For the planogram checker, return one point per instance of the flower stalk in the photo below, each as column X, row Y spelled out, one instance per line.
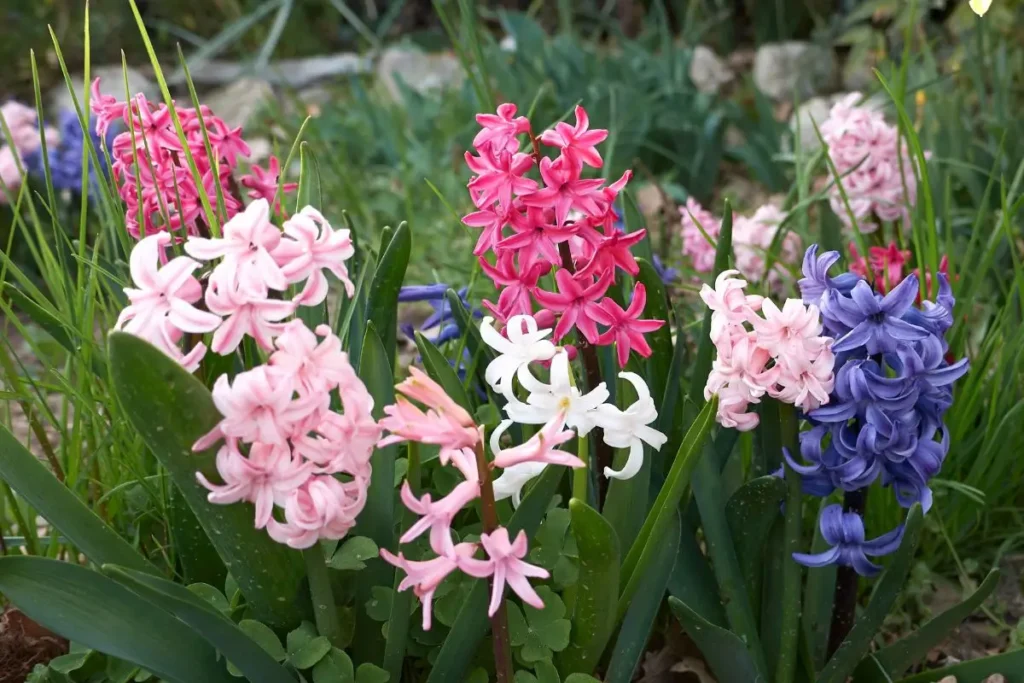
column 325, row 612
column 844, row 604
column 499, row 621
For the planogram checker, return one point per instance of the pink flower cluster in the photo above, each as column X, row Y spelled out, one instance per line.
column 245, row 293
column 442, row 422
column 283, row 445
column 565, row 222
column 875, row 169
column 152, row 171
column 23, row 125
column 887, row 265
column 781, row 353
column 751, row 238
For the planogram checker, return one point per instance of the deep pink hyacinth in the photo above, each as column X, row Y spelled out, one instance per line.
column 151, row 160
column 263, row 184
column 625, row 327
column 566, row 222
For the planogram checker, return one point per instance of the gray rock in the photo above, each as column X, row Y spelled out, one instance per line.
column 420, row 71
column 239, row 102
column 709, row 72
column 292, row 73
column 111, row 83
column 804, row 69
column 811, row 113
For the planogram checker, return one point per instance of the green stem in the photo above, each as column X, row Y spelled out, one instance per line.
column 790, row 626
column 398, row 623
column 499, row 622
column 325, row 610
column 580, row 474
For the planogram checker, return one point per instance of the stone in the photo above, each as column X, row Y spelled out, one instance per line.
column 709, row 72
column 111, row 83
column 291, row 73
column 782, row 70
column 420, row 71
column 811, row 113
column 238, row 103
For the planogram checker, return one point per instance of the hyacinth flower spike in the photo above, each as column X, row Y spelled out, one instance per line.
column 844, row 531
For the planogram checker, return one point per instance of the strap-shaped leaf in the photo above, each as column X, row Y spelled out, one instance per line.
column 88, row 608
column 643, row 609
column 850, row 652
column 199, row 560
column 308, row 194
column 440, row 371
column 750, row 513
column 171, row 409
column 894, row 659
column 725, row 653
column 471, row 626
column 596, row 588
column 382, row 304
column 661, row 339
column 61, row 508
column 223, row 634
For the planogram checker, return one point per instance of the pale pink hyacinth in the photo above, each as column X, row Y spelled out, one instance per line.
column 695, row 245
column 752, row 237
column 540, row 448
column 284, row 445
column 781, row 354
column 505, row 564
column 873, row 164
column 447, row 424
column 22, row 122
column 312, row 246
column 160, row 308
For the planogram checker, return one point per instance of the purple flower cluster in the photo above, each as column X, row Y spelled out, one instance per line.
column 442, row 318
column 65, row 158
column 884, row 420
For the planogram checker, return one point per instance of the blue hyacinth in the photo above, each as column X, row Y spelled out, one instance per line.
column 65, row 159
column 442, row 317
column 885, row 418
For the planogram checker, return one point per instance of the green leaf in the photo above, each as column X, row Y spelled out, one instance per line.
column 819, row 593
column 171, row 409
column 692, row 581
column 441, row 371
column 581, row 678
column 661, row 339
column 643, row 609
column 353, row 552
column 539, row 632
column 199, row 559
column 308, row 194
column 53, row 326
column 653, row 534
column 892, row 660
column 596, row 588
column 265, row 637
column 61, row 508
column 842, row 663
column 88, row 608
column 382, row 305
column 459, row 649
column 203, row 608
column 335, row 667
column 750, row 513
column 725, row 653
column 371, row 673
column 1010, row 665
column 307, row 656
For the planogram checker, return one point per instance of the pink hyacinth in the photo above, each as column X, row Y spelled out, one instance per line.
column 310, row 247
column 539, row 448
column 425, row 576
column 151, row 161
column 505, row 563
column 695, row 245
column 284, row 444
column 437, row 516
column 625, row 327
column 23, row 125
column 566, row 222
column 781, row 354
column 160, row 305
column 873, row 164
column 263, row 184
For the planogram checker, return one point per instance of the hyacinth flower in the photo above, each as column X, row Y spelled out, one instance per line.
column 150, row 161
column 65, row 158
column 752, row 236
column 872, row 163
column 559, row 221
column 23, row 145
column 884, row 420
column 442, row 318
column 425, row 413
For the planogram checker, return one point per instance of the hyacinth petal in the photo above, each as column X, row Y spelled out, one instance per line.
column 886, row 543
column 497, row 589
column 822, row 559
column 862, row 565
column 521, row 587
column 633, row 463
